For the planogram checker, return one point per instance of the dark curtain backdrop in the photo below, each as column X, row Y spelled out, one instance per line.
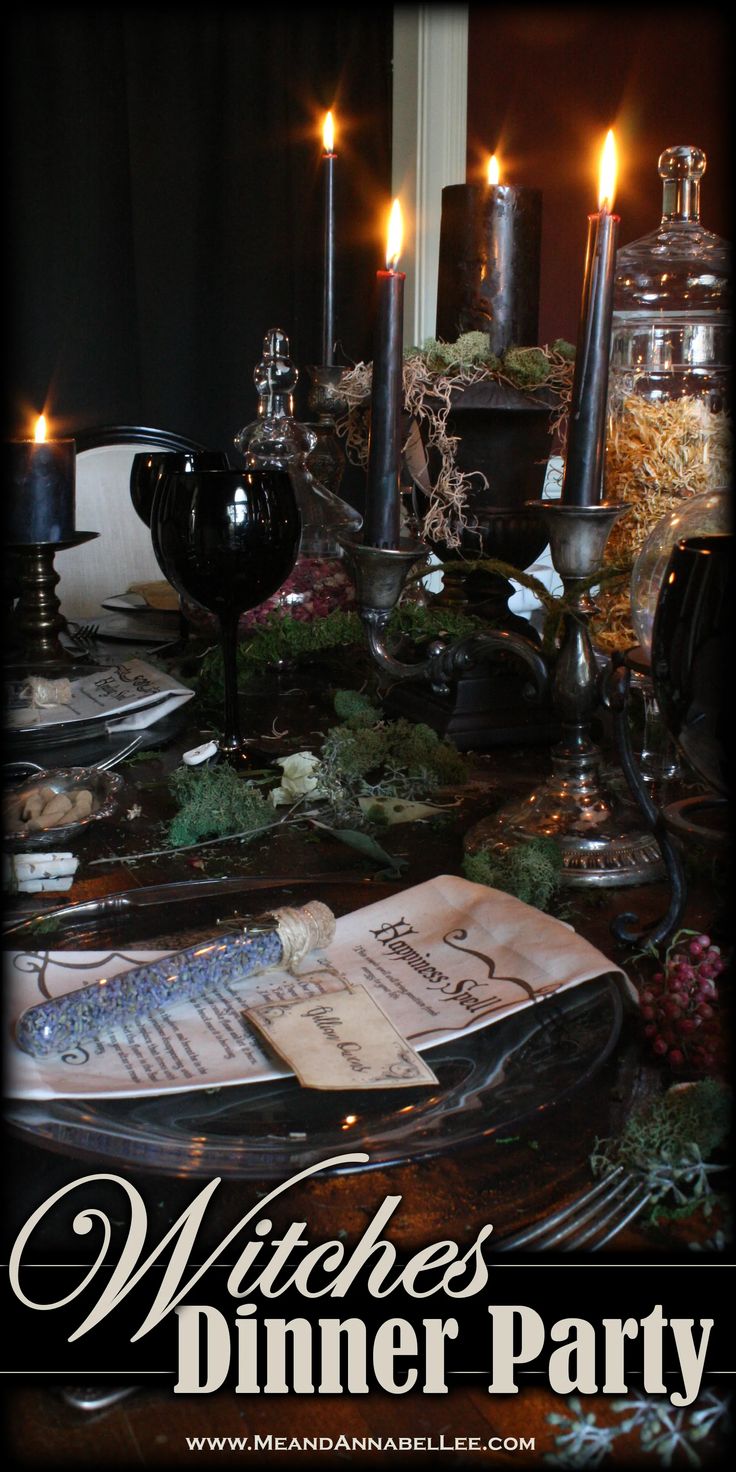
column 544, row 84
column 165, row 204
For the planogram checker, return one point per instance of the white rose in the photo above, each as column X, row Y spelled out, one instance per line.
column 298, row 778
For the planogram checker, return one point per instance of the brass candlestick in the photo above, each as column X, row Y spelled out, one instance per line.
column 37, row 620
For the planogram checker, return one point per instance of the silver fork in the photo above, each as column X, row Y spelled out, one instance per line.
column 589, row 1221
column 119, row 756
column 83, row 635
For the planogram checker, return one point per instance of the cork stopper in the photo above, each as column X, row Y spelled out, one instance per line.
column 308, row 928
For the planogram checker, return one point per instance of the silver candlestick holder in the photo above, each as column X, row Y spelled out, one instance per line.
column 601, row 834
column 603, row 837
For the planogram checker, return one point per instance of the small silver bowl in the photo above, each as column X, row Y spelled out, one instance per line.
column 104, row 787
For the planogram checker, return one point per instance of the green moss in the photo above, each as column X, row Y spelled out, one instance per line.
column 530, row 870
column 214, row 801
column 355, row 709
column 565, row 349
column 290, row 640
column 663, row 1129
column 388, row 759
column 421, row 624
column 526, row 367
column 668, row 1142
column 471, row 350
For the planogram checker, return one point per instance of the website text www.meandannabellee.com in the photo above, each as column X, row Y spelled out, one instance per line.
column 330, row 1355
column 268, row 1442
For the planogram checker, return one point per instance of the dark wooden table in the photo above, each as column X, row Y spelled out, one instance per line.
column 452, row 1195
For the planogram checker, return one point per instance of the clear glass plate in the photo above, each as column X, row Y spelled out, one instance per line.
column 488, row 1082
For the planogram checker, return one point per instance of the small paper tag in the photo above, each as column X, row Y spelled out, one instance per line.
column 341, row 1040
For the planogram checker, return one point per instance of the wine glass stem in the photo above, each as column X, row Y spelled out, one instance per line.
column 232, row 738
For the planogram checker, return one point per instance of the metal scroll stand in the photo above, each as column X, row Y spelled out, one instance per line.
column 604, row 839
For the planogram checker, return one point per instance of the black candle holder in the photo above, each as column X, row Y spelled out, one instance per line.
column 36, row 619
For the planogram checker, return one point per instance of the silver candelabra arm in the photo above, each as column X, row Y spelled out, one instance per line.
column 375, row 622
column 380, row 574
column 446, row 664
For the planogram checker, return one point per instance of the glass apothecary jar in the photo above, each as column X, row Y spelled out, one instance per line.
column 669, row 413
column 669, row 420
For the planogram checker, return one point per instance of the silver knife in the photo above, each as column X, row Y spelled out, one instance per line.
column 128, row 901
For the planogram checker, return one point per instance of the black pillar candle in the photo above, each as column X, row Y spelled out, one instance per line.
column 381, row 522
column 39, row 501
column 328, row 287
column 582, row 483
column 489, row 264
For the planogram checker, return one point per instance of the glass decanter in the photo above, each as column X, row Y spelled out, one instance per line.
column 320, row 583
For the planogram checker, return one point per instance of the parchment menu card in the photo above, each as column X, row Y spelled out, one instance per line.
column 440, row 959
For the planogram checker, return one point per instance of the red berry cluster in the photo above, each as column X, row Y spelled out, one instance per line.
column 681, row 1000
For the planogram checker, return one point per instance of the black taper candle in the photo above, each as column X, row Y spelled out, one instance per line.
column 40, row 491
column 582, row 483
column 328, row 288
column 489, row 264
column 381, row 522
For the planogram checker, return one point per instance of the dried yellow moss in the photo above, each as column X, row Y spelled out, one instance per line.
column 657, row 454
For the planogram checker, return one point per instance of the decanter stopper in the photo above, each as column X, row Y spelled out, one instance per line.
column 275, row 435
column 681, row 170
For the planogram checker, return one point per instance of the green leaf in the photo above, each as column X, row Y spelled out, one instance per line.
column 364, row 845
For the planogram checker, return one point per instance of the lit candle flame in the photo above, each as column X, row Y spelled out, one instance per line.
column 494, row 172
column 395, row 236
column 607, row 177
column 328, row 134
column 40, row 431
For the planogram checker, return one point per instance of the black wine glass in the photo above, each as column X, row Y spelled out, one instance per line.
column 228, row 539
column 148, row 466
column 691, row 653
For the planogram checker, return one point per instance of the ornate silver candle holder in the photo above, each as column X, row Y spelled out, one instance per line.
column 605, row 839
column 602, row 837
